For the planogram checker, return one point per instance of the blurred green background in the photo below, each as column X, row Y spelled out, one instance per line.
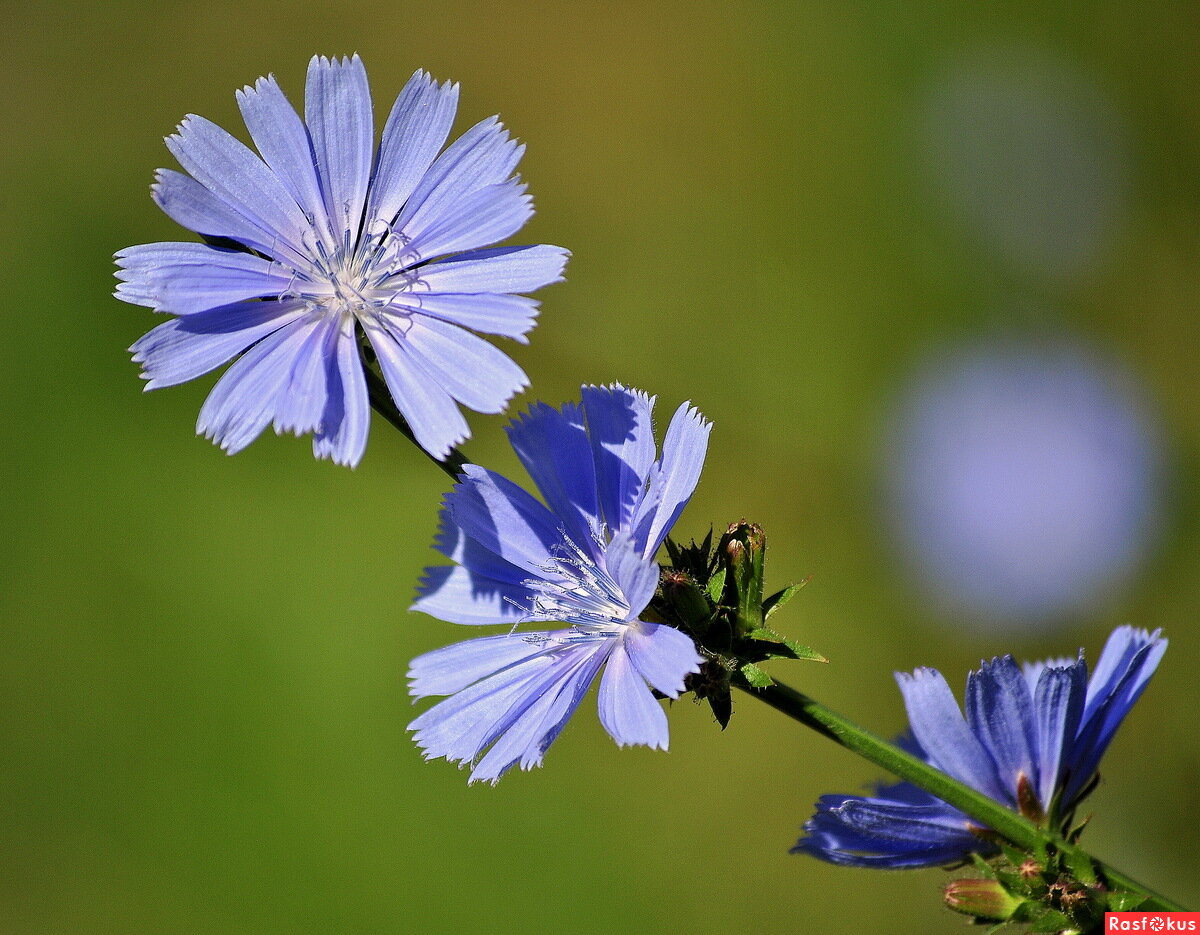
column 203, row 709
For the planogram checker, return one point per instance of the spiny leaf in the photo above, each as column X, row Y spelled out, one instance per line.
column 756, row 677
column 779, row 598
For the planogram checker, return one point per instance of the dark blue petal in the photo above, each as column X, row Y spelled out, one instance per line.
column 1058, row 701
column 1000, row 713
column 1129, row 659
column 939, row 728
column 911, row 829
column 621, row 435
column 553, row 447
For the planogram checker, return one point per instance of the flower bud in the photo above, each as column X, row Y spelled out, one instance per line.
column 984, row 899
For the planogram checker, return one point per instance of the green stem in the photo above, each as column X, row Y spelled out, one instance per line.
column 381, row 402
column 991, row 814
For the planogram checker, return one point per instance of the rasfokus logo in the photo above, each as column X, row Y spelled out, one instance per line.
column 1152, row 921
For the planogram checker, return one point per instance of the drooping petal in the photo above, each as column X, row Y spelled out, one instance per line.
column 672, row 485
column 243, row 401
column 415, row 130
column 478, row 374
column 185, row 278
column 185, row 348
column 938, row 726
column 458, row 595
column 1058, row 702
column 881, row 832
column 337, row 109
column 540, row 721
column 284, row 143
column 621, row 435
column 520, row 695
column 429, row 410
column 452, row 668
column 237, row 176
column 457, row 546
column 1000, row 713
column 510, row 316
column 553, row 448
column 662, row 655
column 628, row 709
column 342, row 434
column 497, row 269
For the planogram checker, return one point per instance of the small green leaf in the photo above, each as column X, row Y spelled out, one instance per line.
column 756, row 676
column 1080, row 865
column 765, row 635
column 800, row 651
column 1124, row 902
column 716, row 585
column 779, row 598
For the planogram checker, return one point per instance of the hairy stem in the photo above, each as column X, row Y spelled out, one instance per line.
column 1016, row 829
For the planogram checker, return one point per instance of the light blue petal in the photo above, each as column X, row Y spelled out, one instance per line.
column 189, row 203
column 621, row 435
column 1000, row 713
column 505, row 520
column 415, row 130
column 497, row 269
column 459, row 595
column 302, row 399
column 542, row 716
column 452, row 668
column 511, row 316
column 337, row 109
column 429, row 410
column 185, row 278
column 483, row 156
column 662, row 655
column 466, row 366
column 243, row 401
column 637, row 577
column 284, row 144
column 1058, row 701
column 477, row 220
column 185, row 348
column 462, row 725
column 938, row 726
column 672, row 485
column 240, row 178
column 554, row 450
column 628, row 709
column 342, row 434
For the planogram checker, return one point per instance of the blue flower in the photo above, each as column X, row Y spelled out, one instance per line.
column 585, row 558
column 1032, row 738
column 320, row 239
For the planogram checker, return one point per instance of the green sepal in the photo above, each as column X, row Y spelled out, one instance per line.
column 779, row 598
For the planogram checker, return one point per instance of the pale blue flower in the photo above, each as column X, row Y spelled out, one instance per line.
column 585, row 558
column 319, row 238
column 1032, row 738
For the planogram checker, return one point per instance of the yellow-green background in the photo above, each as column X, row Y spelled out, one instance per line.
column 202, row 703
